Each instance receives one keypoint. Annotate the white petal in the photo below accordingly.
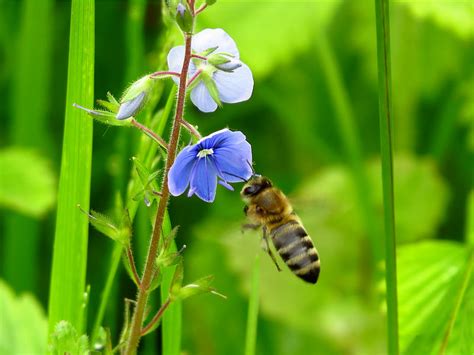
(202, 99)
(175, 62)
(214, 37)
(235, 86)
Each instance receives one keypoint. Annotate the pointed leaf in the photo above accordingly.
(198, 287)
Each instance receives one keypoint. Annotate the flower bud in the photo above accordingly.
(184, 18)
(134, 98)
(131, 108)
(224, 62)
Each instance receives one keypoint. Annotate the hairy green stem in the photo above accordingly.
(385, 119)
(156, 318)
(143, 291)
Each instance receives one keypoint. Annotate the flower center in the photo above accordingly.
(205, 152)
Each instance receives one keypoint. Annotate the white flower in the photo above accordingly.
(229, 82)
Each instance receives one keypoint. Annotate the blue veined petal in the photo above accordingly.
(234, 86)
(221, 138)
(214, 37)
(234, 162)
(204, 180)
(202, 99)
(180, 173)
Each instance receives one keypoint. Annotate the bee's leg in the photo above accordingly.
(252, 226)
(266, 247)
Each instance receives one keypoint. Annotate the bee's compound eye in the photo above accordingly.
(249, 190)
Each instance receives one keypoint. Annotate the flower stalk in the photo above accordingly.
(156, 318)
(143, 291)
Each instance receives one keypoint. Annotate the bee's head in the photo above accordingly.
(255, 185)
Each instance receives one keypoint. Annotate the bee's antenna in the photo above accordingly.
(254, 174)
(251, 167)
(237, 176)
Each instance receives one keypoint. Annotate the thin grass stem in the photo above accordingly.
(252, 315)
(386, 124)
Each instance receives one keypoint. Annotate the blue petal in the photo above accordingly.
(202, 99)
(179, 174)
(204, 180)
(221, 138)
(226, 185)
(234, 162)
(236, 86)
(210, 38)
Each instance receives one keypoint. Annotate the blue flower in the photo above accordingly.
(225, 78)
(223, 156)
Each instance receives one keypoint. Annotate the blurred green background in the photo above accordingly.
(313, 125)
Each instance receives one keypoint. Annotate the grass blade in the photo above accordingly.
(70, 242)
(252, 315)
(385, 119)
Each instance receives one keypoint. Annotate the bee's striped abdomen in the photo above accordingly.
(297, 250)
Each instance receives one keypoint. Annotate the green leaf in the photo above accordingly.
(27, 182)
(104, 225)
(453, 15)
(435, 289)
(104, 117)
(198, 287)
(23, 324)
(65, 340)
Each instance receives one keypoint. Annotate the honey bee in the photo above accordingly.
(268, 208)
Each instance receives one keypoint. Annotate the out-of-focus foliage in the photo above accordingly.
(421, 195)
(266, 39)
(434, 278)
(292, 123)
(23, 324)
(27, 182)
(65, 340)
(453, 15)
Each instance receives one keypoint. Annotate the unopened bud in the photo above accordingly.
(134, 98)
(131, 108)
(184, 18)
(224, 62)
